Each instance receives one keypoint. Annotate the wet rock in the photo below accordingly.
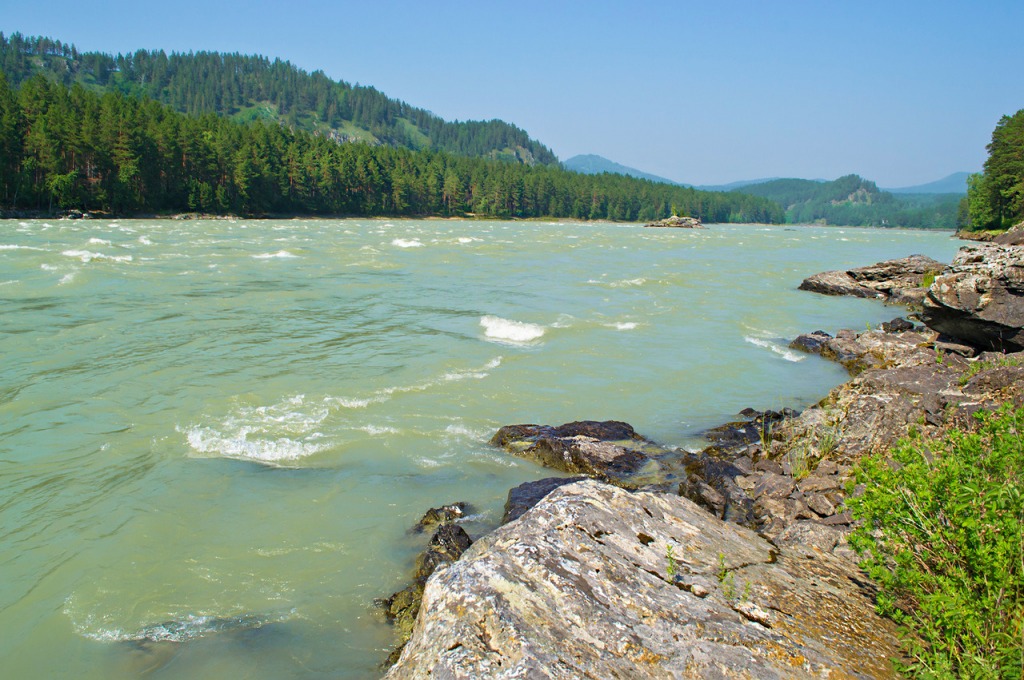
(899, 281)
(810, 342)
(980, 298)
(608, 450)
(523, 497)
(447, 544)
(446, 514)
(582, 586)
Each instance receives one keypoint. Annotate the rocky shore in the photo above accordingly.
(731, 561)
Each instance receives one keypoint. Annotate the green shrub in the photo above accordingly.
(943, 536)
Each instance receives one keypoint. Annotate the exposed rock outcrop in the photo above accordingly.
(980, 298)
(599, 582)
(608, 450)
(677, 222)
(897, 281)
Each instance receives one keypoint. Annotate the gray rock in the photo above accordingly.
(809, 533)
(899, 281)
(774, 486)
(582, 586)
(980, 298)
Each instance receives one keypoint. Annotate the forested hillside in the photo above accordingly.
(71, 147)
(854, 201)
(248, 88)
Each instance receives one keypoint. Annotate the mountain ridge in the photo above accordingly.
(253, 87)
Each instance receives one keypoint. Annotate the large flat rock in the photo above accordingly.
(583, 585)
(898, 281)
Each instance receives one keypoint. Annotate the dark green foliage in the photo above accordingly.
(943, 536)
(995, 199)
(856, 202)
(256, 87)
(72, 148)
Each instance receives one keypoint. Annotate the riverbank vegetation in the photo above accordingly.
(943, 536)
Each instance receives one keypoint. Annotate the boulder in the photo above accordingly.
(980, 298)
(899, 281)
(598, 582)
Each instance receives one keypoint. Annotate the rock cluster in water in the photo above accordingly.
(677, 222)
(731, 561)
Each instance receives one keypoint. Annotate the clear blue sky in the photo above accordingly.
(901, 92)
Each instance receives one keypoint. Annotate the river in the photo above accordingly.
(216, 435)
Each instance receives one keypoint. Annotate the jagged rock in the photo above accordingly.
(583, 585)
(447, 545)
(609, 450)
(899, 281)
(677, 222)
(980, 298)
(523, 497)
(897, 325)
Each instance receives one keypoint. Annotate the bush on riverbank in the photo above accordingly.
(943, 536)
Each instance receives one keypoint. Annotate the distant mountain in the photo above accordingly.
(591, 164)
(954, 184)
(733, 186)
(250, 87)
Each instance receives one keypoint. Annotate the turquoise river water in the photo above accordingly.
(215, 435)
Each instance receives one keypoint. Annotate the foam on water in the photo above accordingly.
(89, 256)
(99, 242)
(497, 329)
(623, 325)
(784, 352)
(386, 393)
(285, 431)
(407, 243)
(67, 278)
(281, 254)
(8, 246)
(181, 628)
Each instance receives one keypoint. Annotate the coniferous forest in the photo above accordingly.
(100, 148)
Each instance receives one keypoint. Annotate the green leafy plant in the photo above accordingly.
(942, 534)
(673, 568)
(929, 279)
(726, 578)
